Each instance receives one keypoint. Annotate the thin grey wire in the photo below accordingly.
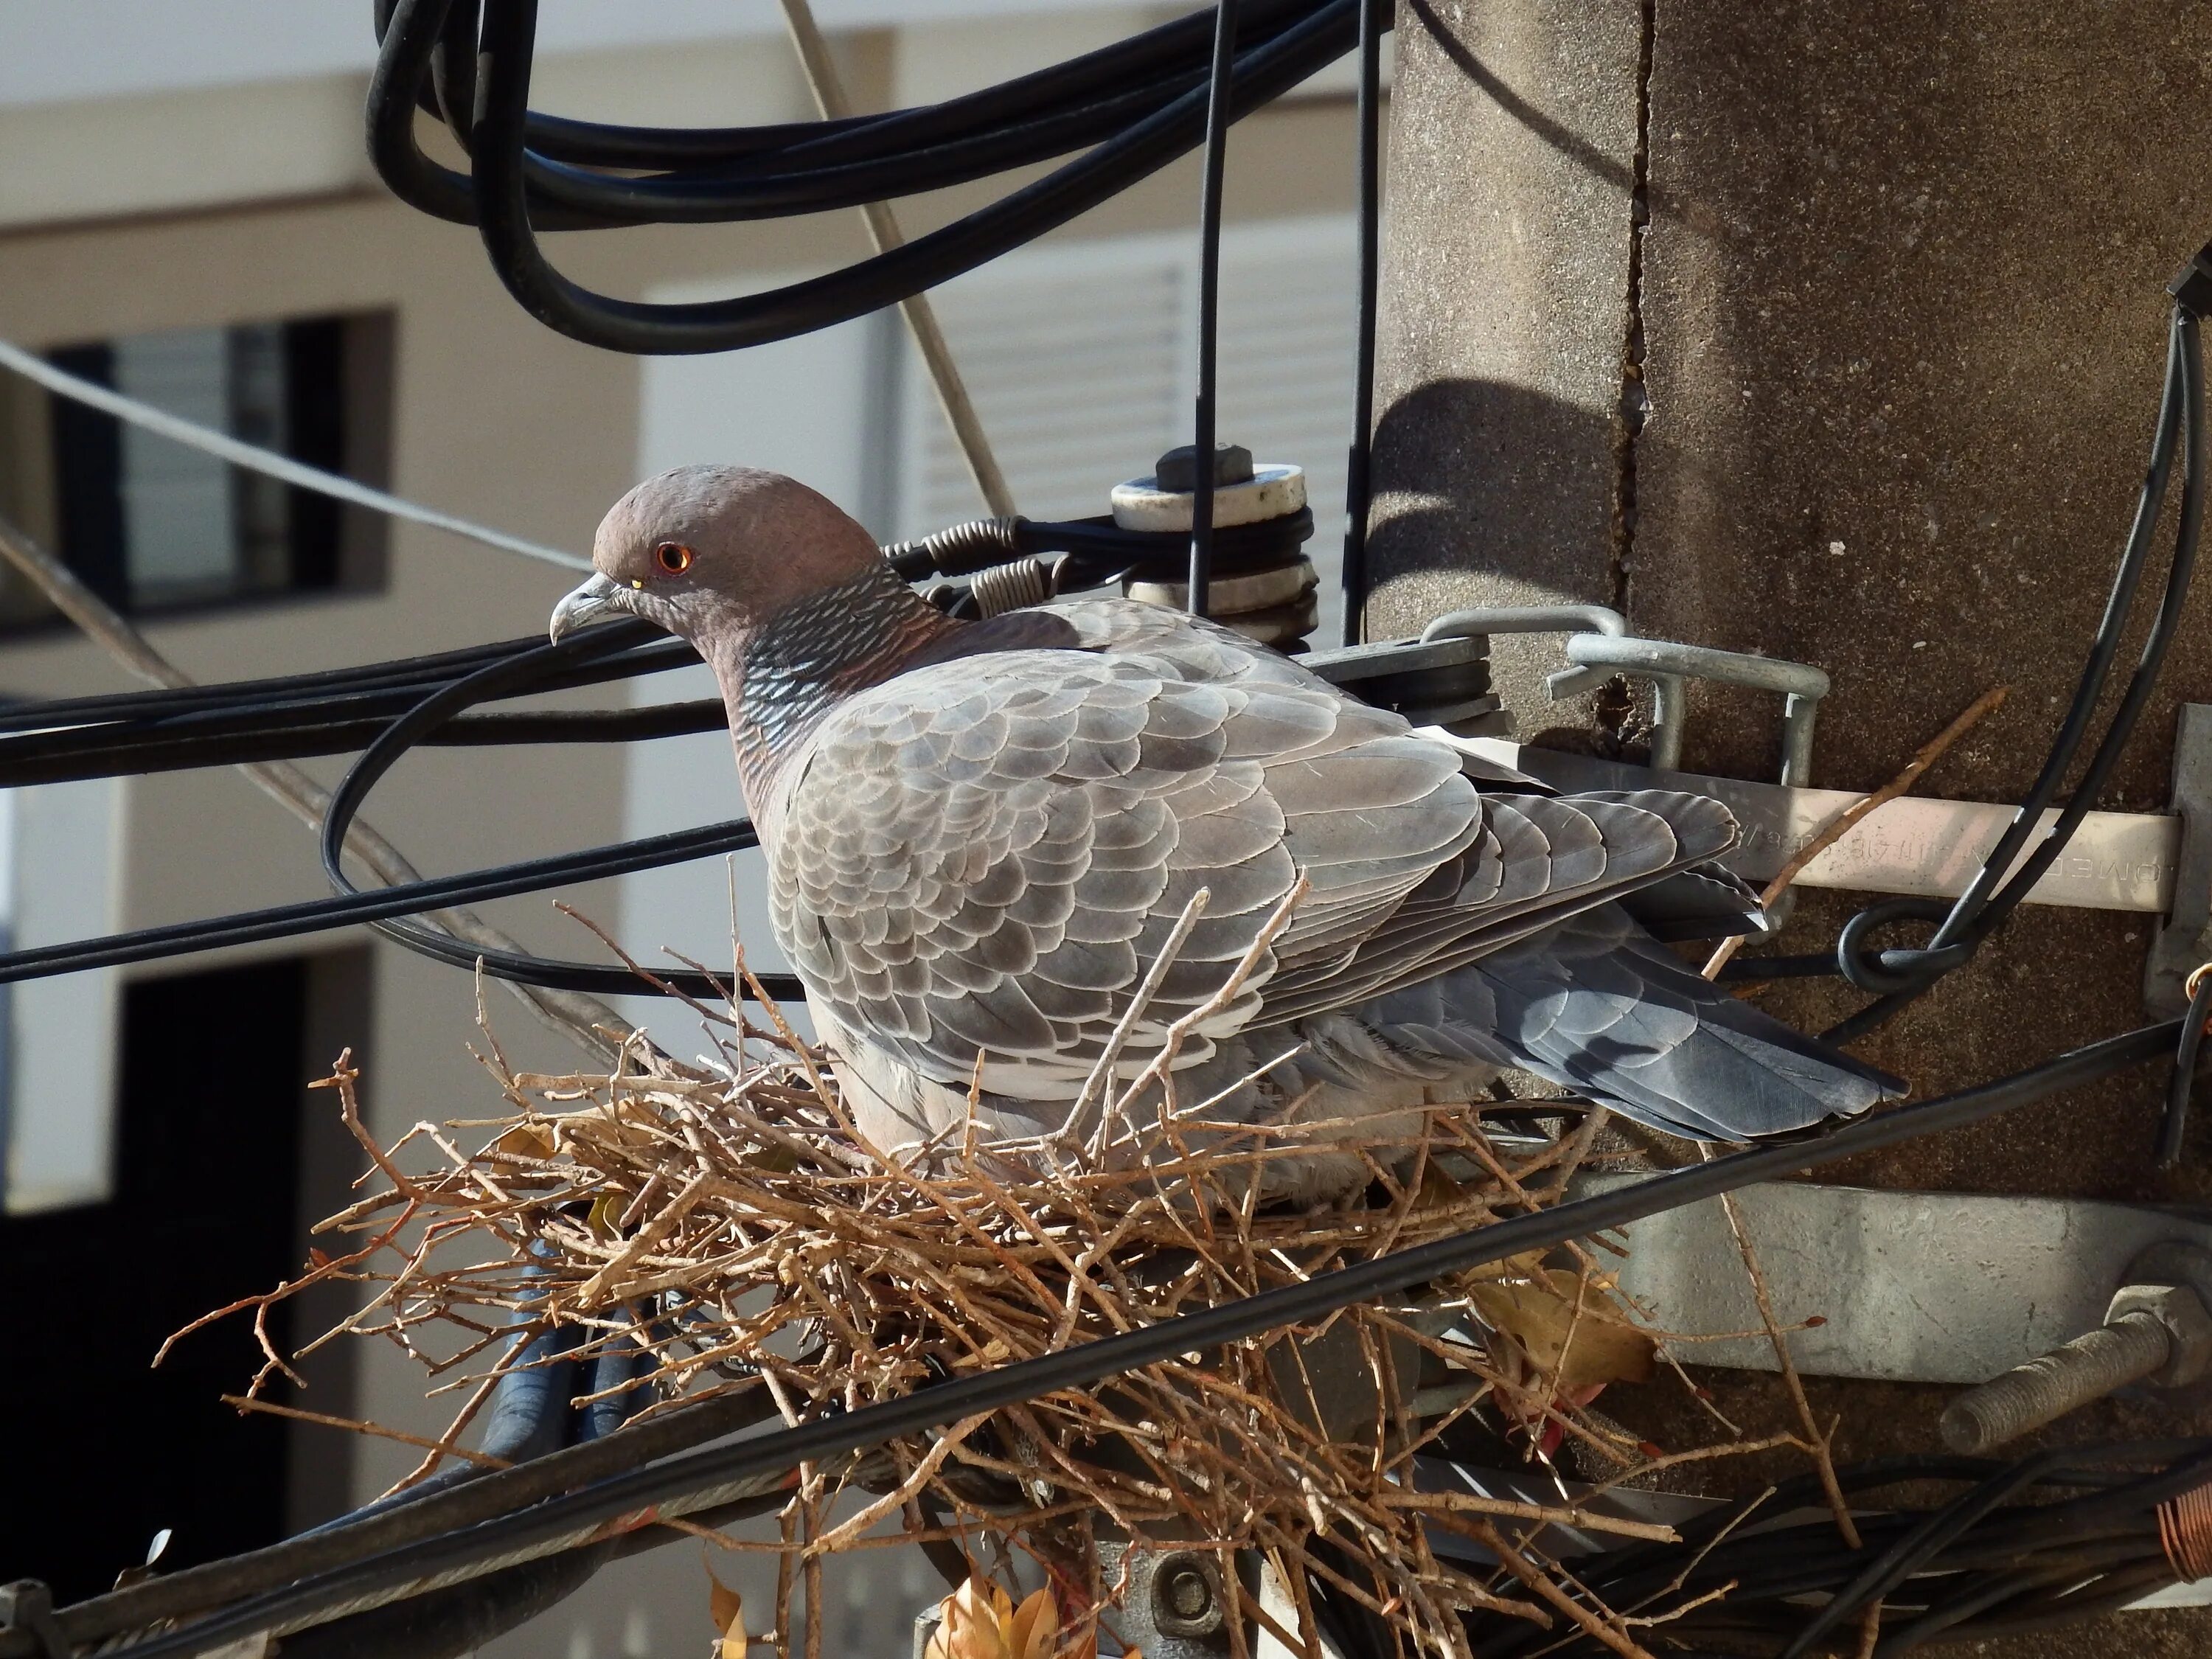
(255, 458)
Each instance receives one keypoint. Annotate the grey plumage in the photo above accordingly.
(979, 842)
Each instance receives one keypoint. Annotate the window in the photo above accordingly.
(154, 526)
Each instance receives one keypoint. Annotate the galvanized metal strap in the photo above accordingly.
(1912, 845)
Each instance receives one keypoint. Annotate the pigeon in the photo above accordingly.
(1017, 862)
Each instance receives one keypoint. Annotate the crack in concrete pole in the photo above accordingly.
(1610, 710)
(1501, 351)
(1635, 399)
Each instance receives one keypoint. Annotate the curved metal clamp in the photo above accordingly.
(1599, 647)
(1667, 664)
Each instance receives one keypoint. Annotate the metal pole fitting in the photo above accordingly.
(28, 1605)
(1667, 664)
(2158, 1330)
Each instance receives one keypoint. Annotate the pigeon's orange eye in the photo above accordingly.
(673, 557)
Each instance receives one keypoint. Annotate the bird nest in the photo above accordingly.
(735, 1225)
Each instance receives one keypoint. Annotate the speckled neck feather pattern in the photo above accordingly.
(818, 651)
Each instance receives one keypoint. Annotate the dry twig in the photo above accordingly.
(1840, 825)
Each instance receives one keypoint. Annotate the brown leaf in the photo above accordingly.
(1438, 1189)
(1034, 1631)
(979, 1621)
(527, 1140)
(727, 1609)
(1538, 1311)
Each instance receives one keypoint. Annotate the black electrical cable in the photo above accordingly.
(1986, 1557)
(2174, 1122)
(1985, 904)
(1900, 975)
(547, 1527)
(424, 1511)
(504, 169)
(173, 752)
(330, 723)
(1919, 1547)
(1358, 486)
(354, 907)
(146, 705)
(658, 175)
(258, 720)
(1939, 1528)
(499, 679)
(341, 710)
(1199, 592)
(446, 1623)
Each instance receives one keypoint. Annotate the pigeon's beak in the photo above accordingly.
(587, 604)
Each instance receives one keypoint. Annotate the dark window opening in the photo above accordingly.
(152, 526)
(219, 1151)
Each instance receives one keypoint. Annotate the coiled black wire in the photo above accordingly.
(1982, 1554)
(1133, 108)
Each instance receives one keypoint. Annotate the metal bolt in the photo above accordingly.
(1188, 1594)
(1177, 470)
(2157, 1333)
(1184, 1602)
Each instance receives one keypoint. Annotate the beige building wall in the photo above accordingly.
(111, 223)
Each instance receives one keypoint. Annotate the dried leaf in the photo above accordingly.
(527, 1140)
(1538, 1311)
(1034, 1631)
(1436, 1190)
(979, 1621)
(727, 1609)
(606, 1216)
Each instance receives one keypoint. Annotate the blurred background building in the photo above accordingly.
(187, 214)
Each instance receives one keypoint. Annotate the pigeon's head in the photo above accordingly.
(711, 552)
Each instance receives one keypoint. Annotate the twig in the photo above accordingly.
(248, 1403)
(1840, 825)
(1817, 1442)
(1146, 989)
(829, 89)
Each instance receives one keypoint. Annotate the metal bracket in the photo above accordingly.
(2186, 938)
(1600, 646)
(1668, 666)
(1914, 1287)
(1912, 845)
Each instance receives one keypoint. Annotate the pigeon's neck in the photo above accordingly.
(796, 665)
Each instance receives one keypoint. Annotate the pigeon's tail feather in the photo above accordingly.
(1705, 901)
(1597, 1006)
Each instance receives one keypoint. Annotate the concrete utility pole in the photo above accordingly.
(1832, 333)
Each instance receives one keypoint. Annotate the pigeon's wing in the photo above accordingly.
(976, 863)
(1543, 859)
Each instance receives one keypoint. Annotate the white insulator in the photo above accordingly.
(1273, 490)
